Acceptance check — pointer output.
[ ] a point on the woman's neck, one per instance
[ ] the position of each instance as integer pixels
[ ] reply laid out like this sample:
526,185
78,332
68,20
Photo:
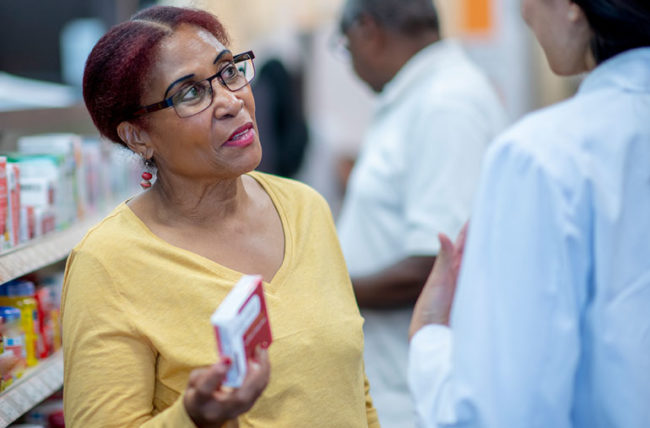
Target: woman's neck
199,204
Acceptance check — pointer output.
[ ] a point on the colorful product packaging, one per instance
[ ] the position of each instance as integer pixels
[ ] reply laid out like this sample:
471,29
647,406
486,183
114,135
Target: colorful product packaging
4,205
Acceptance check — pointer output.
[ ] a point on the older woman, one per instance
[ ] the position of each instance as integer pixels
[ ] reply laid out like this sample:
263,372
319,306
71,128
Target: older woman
550,324
140,287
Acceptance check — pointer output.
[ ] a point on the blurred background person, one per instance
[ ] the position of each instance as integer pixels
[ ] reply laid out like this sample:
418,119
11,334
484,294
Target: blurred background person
550,324
415,177
280,118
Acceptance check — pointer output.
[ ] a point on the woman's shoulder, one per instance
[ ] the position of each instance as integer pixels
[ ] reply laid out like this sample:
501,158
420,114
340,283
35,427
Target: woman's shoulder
110,232
550,132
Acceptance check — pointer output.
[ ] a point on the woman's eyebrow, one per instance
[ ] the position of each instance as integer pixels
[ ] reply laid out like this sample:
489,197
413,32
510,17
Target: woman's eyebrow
177,81
222,53
216,60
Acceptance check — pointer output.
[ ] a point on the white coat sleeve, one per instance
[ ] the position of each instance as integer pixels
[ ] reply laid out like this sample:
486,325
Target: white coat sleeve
515,318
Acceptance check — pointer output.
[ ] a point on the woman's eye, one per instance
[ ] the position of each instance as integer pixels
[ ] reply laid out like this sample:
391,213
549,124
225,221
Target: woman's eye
190,94
229,72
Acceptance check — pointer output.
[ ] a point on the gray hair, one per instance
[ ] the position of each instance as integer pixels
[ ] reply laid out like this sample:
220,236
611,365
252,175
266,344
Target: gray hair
408,17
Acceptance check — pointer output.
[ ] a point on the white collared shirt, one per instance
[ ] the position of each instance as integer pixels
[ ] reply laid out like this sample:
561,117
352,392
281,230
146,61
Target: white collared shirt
551,321
416,176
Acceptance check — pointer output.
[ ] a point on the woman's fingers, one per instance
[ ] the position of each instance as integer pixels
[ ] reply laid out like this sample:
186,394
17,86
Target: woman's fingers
257,378
201,396
210,380
446,252
209,404
461,239
434,304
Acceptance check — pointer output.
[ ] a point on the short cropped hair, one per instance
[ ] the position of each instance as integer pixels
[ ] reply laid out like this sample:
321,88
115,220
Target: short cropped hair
409,17
118,66
618,25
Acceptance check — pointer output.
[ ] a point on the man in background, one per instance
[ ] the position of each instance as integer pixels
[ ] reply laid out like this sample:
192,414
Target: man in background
415,176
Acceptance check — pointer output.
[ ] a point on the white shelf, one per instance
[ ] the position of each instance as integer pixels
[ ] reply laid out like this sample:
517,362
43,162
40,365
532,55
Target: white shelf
43,251
36,384
42,380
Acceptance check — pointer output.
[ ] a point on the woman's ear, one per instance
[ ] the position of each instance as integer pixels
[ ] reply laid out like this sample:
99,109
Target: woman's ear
135,138
581,30
575,13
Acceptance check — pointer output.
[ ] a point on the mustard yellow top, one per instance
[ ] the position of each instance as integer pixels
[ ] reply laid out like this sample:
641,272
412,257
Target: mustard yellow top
136,321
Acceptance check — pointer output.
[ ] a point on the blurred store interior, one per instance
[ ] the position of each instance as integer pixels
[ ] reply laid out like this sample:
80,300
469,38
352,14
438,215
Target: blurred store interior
43,46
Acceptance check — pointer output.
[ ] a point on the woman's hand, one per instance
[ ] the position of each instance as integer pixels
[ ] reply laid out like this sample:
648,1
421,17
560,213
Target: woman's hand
434,304
209,405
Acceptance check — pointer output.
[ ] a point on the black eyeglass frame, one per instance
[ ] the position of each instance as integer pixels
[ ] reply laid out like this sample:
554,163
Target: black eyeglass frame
169,101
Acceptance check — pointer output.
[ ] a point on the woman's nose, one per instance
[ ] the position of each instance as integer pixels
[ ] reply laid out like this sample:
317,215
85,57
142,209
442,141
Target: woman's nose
226,103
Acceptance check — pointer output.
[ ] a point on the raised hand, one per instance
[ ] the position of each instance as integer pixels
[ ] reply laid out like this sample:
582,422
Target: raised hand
434,304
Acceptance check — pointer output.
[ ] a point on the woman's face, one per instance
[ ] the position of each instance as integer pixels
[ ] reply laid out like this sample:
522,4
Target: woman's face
562,30
219,142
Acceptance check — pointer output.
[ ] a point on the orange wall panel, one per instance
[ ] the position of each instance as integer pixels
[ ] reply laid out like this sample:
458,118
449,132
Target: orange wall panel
476,16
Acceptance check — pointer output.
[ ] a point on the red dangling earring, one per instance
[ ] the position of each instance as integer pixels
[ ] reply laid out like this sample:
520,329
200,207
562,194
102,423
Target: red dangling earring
146,175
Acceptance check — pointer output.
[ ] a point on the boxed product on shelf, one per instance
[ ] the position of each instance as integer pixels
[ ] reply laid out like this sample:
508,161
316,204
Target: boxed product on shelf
14,343
72,186
48,298
27,222
43,187
53,180
13,203
4,228
20,294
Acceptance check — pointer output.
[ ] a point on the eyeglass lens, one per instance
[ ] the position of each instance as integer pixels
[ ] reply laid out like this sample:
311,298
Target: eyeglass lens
198,97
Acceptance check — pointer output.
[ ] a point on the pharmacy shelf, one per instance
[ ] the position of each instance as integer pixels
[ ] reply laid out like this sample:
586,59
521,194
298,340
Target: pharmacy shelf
43,251
36,384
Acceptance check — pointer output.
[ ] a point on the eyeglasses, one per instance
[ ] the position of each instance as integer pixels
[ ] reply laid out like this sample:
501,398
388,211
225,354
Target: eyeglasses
198,96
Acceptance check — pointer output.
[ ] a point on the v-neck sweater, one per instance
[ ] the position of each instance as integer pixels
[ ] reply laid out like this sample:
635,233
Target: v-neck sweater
136,321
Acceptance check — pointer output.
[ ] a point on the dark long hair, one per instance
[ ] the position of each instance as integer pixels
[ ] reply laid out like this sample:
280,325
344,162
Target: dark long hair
618,25
119,64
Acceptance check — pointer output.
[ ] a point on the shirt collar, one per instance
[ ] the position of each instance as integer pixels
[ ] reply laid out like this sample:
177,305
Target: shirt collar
422,65
629,70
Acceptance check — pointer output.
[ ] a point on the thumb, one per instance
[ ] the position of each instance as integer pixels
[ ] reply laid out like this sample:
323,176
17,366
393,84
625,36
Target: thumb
446,248
213,378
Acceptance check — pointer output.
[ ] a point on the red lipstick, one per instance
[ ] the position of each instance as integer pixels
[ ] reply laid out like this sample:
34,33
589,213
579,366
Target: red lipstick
242,136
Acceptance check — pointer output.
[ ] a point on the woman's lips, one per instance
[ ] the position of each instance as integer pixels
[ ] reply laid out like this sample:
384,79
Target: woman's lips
243,136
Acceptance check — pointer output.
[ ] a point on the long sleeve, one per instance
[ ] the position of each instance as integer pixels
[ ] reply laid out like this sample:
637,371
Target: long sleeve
109,369
510,357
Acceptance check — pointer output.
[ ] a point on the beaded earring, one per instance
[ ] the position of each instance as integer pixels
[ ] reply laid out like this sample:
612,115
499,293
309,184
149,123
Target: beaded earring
147,175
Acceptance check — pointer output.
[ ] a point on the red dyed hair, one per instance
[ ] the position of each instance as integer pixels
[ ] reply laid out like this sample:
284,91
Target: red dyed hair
119,64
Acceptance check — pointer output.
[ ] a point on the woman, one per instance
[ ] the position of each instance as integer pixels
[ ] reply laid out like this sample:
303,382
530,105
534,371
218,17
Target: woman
141,286
550,324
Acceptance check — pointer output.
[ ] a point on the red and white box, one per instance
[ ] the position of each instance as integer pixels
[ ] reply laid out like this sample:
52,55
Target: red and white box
13,199
241,323
4,205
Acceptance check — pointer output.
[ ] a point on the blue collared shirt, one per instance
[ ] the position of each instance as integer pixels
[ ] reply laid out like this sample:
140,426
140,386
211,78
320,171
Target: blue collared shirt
551,321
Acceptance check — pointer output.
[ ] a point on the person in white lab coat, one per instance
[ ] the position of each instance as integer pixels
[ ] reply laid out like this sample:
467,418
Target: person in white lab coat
416,174
550,323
